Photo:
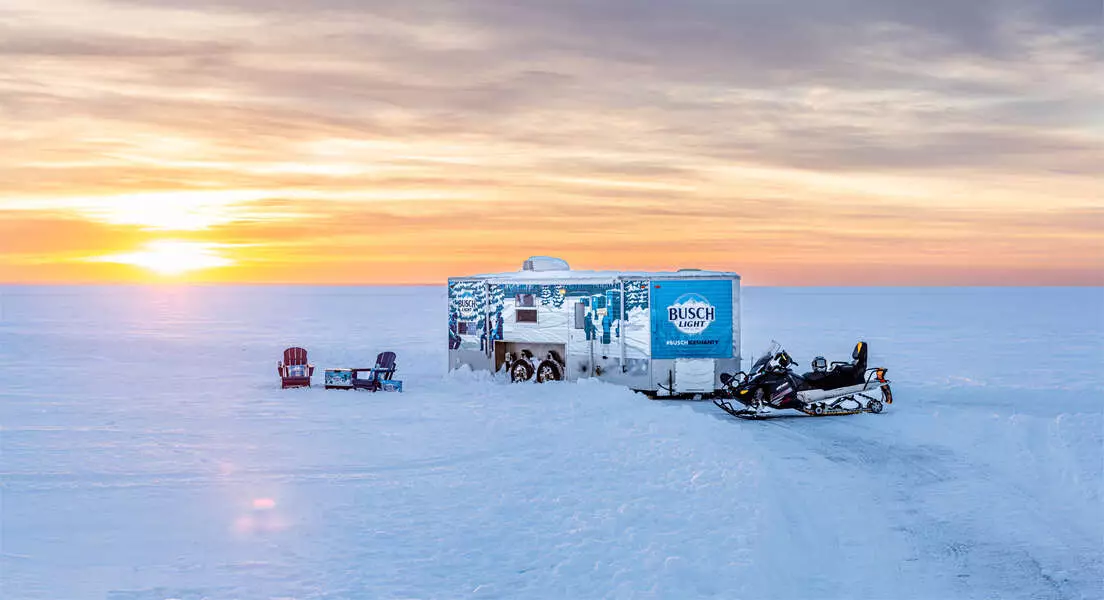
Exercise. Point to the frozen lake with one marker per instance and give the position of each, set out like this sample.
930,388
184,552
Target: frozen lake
148,453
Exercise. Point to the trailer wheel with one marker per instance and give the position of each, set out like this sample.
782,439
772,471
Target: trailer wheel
521,370
549,370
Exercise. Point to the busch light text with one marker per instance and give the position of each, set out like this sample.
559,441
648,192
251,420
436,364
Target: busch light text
691,317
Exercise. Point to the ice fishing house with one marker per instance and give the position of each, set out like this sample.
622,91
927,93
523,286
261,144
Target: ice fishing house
663,333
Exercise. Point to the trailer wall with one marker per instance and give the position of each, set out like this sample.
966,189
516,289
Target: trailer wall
634,331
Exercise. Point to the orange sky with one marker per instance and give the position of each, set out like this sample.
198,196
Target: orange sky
360,142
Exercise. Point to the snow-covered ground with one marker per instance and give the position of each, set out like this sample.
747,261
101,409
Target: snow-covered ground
148,453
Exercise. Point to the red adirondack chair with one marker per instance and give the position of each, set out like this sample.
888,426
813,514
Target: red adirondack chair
295,371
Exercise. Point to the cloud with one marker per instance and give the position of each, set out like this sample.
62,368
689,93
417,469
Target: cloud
16,43
537,120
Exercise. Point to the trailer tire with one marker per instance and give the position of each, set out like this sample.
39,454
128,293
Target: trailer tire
549,370
521,370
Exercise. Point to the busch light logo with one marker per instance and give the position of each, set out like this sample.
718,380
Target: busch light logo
691,314
465,306
692,319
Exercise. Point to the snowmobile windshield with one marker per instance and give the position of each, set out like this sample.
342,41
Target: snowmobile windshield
761,362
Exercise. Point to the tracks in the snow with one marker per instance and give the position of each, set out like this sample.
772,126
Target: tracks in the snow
952,518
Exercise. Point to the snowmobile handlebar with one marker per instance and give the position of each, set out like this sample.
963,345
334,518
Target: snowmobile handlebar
784,360
735,380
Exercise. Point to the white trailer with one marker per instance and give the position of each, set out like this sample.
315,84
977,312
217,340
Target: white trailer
663,333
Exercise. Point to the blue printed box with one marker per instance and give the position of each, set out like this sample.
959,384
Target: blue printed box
339,378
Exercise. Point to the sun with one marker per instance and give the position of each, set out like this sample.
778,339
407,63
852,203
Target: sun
172,257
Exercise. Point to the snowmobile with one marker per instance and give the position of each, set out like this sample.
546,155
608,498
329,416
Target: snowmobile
842,388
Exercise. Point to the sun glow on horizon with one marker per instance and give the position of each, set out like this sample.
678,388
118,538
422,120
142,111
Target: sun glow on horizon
171,257
288,143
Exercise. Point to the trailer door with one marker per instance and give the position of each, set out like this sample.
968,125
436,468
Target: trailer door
580,345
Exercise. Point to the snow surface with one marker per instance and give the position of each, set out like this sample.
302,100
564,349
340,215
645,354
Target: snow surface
147,453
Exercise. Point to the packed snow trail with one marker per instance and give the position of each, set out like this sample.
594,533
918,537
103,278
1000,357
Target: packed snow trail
147,453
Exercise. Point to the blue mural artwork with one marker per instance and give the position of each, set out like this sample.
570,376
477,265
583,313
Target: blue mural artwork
454,334
636,295
482,313
692,319
467,305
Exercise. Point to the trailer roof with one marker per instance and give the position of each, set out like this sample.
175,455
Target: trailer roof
569,276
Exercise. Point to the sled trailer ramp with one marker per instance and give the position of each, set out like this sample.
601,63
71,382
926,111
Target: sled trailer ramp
694,375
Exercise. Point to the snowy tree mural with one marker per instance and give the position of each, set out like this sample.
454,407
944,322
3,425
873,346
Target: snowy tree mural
558,296
480,294
467,307
496,295
453,292
636,295
637,327
546,295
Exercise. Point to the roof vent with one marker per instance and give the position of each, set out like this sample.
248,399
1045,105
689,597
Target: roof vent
545,263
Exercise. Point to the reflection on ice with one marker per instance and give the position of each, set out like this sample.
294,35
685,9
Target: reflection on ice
261,518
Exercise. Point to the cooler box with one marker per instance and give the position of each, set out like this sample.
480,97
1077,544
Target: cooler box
339,379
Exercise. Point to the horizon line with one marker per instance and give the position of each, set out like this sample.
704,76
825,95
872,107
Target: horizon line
445,284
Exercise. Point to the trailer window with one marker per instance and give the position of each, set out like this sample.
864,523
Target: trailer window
526,315
525,300
580,315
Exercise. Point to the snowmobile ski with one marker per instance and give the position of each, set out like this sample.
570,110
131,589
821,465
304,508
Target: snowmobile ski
743,413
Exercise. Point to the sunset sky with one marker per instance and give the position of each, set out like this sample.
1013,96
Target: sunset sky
376,141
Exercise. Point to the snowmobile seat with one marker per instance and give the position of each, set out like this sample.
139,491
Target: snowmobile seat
859,356
819,376
851,373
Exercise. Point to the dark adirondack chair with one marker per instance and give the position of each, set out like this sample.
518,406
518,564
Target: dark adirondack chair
370,379
295,371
